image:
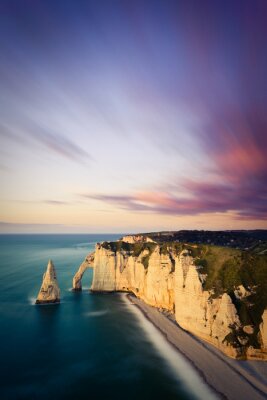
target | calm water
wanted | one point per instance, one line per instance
(89, 346)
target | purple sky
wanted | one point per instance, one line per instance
(121, 116)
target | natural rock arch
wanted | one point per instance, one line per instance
(77, 279)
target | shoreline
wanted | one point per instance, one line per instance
(228, 378)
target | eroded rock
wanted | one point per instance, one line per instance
(49, 292)
(77, 279)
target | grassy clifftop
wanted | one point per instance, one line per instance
(133, 249)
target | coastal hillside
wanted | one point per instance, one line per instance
(241, 239)
(217, 293)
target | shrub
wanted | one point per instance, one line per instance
(145, 261)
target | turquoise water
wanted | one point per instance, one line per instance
(91, 346)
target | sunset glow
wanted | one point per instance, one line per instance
(133, 116)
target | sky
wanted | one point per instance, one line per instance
(132, 116)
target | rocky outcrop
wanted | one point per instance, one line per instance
(49, 292)
(77, 279)
(137, 239)
(241, 292)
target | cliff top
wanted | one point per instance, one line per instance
(241, 239)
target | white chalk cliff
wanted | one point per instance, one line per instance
(136, 239)
(121, 271)
(49, 292)
(196, 311)
(174, 283)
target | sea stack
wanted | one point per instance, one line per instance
(49, 292)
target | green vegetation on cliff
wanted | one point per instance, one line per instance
(133, 249)
(221, 264)
(228, 268)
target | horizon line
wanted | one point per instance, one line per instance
(133, 233)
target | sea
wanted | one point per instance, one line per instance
(90, 346)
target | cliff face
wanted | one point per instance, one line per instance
(171, 280)
(49, 292)
(121, 271)
(196, 312)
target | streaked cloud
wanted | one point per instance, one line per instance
(31, 133)
(204, 199)
(55, 202)
(59, 144)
